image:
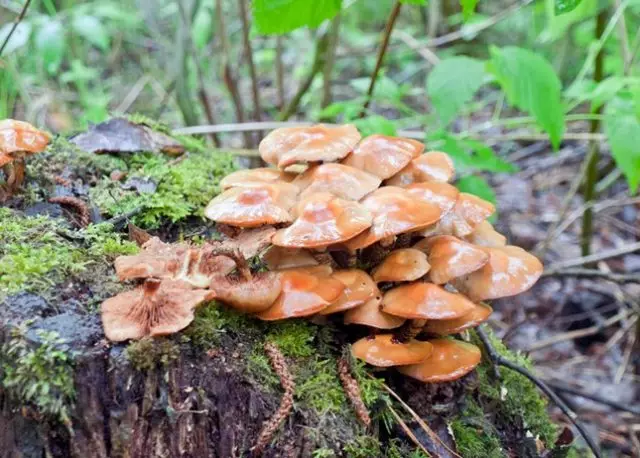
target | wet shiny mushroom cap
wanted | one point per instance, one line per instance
(340, 180)
(485, 235)
(478, 315)
(320, 143)
(510, 271)
(253, 206)
(369, 314)
(469, 212)
(425, 301)
(19, 136)
(157, 307)
(280, 258)
(406, 264)
(305, 291)
(249, 177)
(383, 350)
(395, 211)
(430, 166)
(450, 360)
(451, 257)
(359, 288)
(324, 220)
(383, 156)
(443, 195)
(247, 295)
(155, 259)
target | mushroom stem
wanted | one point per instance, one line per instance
(15, 176)
(410, 330)
(236, 256)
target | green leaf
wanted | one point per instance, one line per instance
(565, 6)
(599, 93)
(201, 28)
(276, 17)
(50, 42)
(622, 128)
(452, 84)
(414, 2)
(530, 84)
(468, 8)
(375, 125)
(350, 109)
(92, 30)
(477, 186)
(19, 38)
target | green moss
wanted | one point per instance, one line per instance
(148, 353)
(139, 118)
(294, 338)
(323, 453)
(39, 375)
(363, 447)
(318, 386)
(212, 320)
(475, 437)
(259, 368)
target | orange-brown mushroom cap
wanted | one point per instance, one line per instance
(451, 257)
(340, 180)
(425, 301)
(469, 212)
(406, 264)
(369, 314)
(485, 235)
(157, 307)
(359, 288)
(443, 195)
(384, 156)
(478, 315)
(383, 350)
(510, 271)
(280, 258)
(249, 177)
(324, 220)
(19, 136)
(304, 292)
(253, 206)
(430, 166)
(395, 211)
(320, 143)
(248, 295)
(450, 360)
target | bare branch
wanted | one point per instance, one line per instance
(16, 21)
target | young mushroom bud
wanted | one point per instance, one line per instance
(450, 360)
(359, 288)
(369, 314)
(478, 315)
(405, 264)
(430, 166)
(384, 156)
(320, 143)
(383, 350)
(340, 180)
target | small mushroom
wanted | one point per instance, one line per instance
(510, 271)
(324, 220)
(450, 360)
(425, 301)
(250, 177)
(383, 350)
(485, 235)
(469, 212)
(280, 258)
(450, 257)
(395, 211)
(18, 139)
(406, 264)
(359, 288)
(369, 314)
(320, 143)
(253, 206)
(430, 166)
(340, 180)
(252, 295)
(305, 292)
(478, 315)
(157, 307)
(383, 156)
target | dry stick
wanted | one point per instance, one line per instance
(269, 427)
(407, 430)
(600, 400)
(499, 360)
(279, 73)
(593, 273)
(352, 390)
(334, 32)
(388, 28)
(80, 206)
(16, 21)
(426, 53)
(248, 51)
(607, 254)
(227, 72)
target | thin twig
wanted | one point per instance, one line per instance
(623, 38)
(407, 430)
(280, 73)
(593, 273)
(498, 359)
(414, 44)
(607, 254)
(352, 390)
(330, 60)
(381, 52)
(248, 51)
(595, 398)
(16, 21)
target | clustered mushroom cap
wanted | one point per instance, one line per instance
(383, 350)
(370, 314)
(320, 143)
(450, 360)
(430, 166)
(250, 177)
(19, 136)
(451, 257)
(340, 180)
(359, 288)
(469, 212)
(247, 295)
(405, 264)
(485, 235)
(280, 258)
(478, 315)
(384, 156)
(253, 206)
(324, 220)
(443, 195)
(425, 301)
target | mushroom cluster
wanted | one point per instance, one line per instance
(370, 229)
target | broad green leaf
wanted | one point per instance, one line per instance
(468, 8)
(19, 38)
(452, 84)
(375, 125)
(92, 30)
(477, 186)
(51, 42)
(276, 17)
(622, 128)
(565, 6)
(201, 28)
(558, 25)
(530, 84)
